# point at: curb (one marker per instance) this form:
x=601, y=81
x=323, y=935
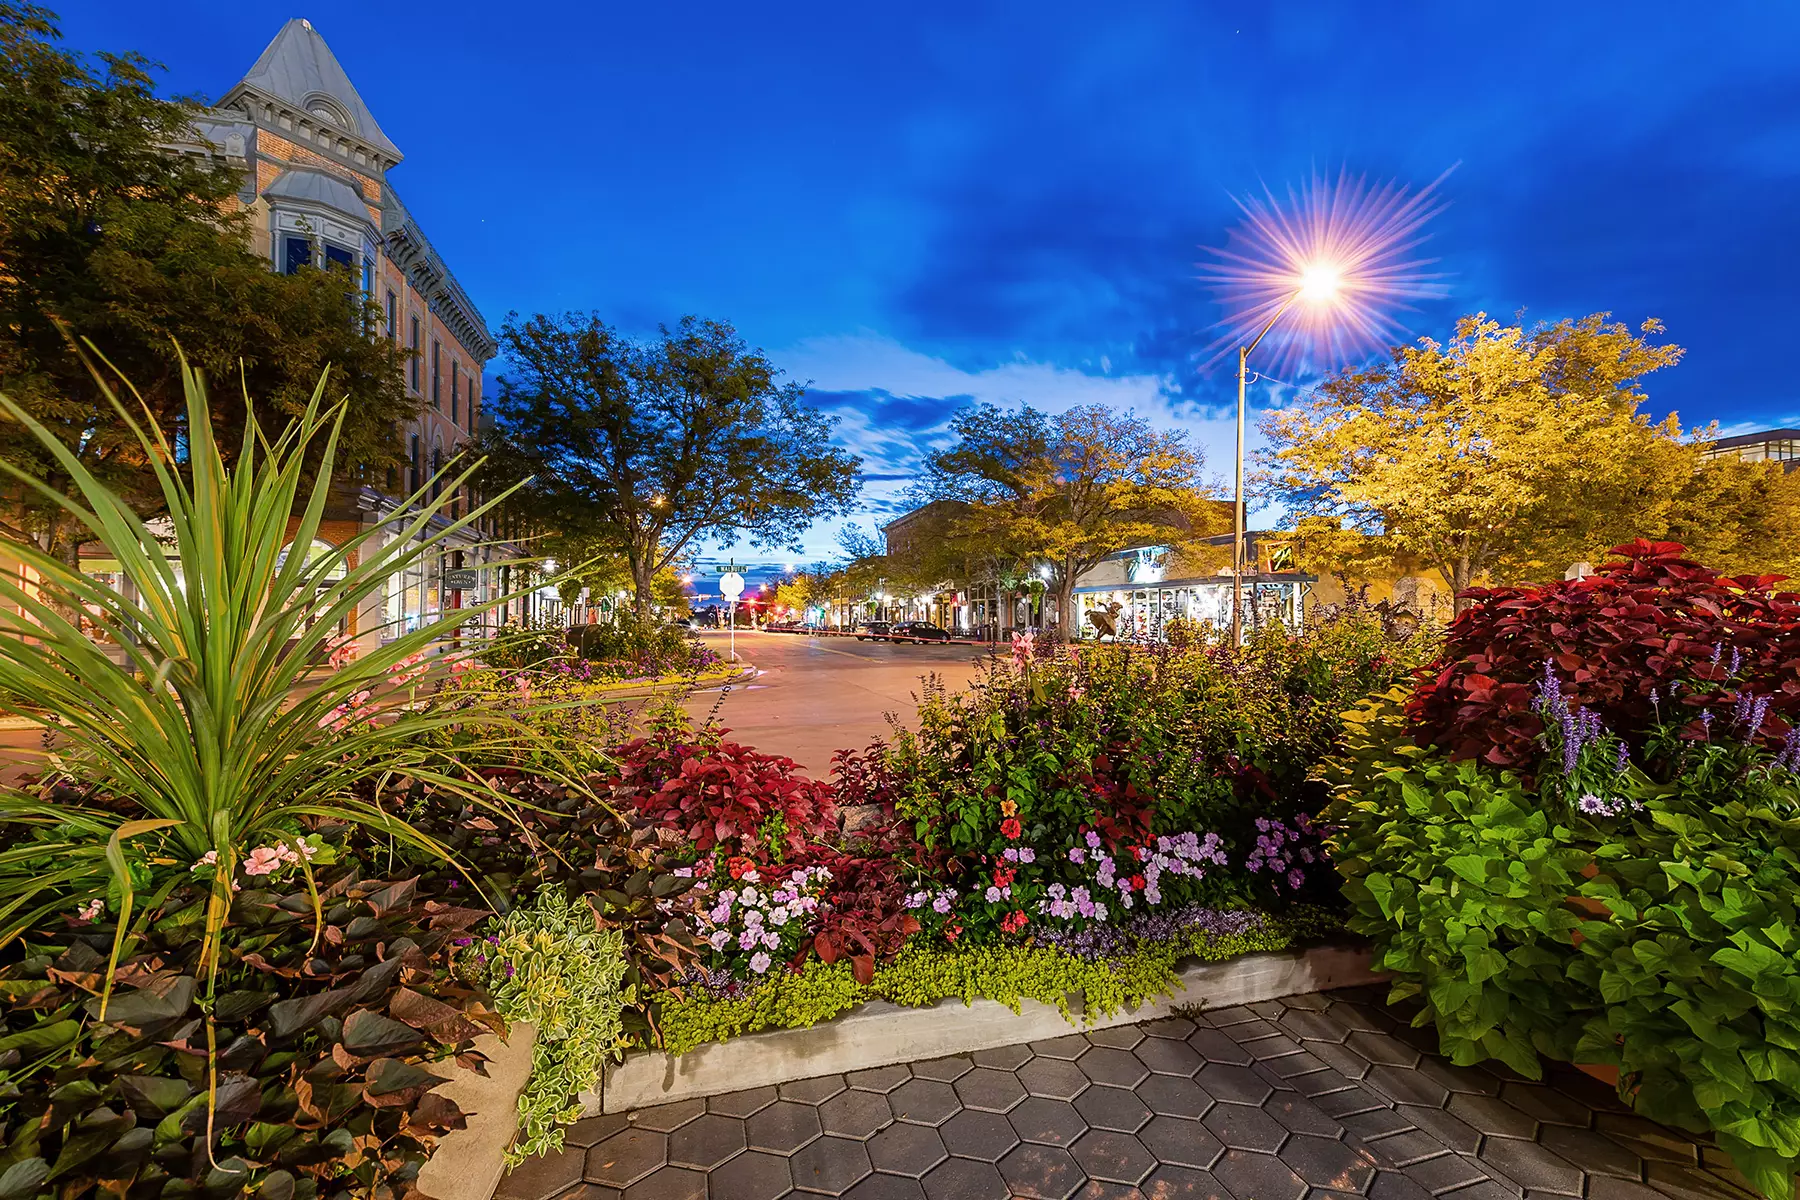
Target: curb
x=880, y=1033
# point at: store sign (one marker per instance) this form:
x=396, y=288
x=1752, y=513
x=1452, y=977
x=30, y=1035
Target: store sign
x=462, y=580
x=1149, y=565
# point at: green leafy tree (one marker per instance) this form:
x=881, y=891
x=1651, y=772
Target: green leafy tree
x=107, y=234
x=647, y=446
x=1069, y=489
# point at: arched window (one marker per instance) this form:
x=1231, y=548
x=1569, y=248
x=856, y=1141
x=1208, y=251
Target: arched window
x=437, y=465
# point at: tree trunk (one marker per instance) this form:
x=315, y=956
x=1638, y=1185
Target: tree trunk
x=641, y=576
x=1065, y=607
x=1459, y=583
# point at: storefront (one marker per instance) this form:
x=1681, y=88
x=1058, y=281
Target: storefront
x=1136, y=595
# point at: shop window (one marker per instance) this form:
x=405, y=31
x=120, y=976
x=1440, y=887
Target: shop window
x=415, y=355
x=299, y=254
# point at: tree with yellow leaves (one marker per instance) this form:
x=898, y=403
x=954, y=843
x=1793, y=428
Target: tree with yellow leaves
x=1510, y=453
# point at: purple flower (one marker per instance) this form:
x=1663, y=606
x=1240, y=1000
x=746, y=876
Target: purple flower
x=1077, y=855
x=759, y=962
x=992, y=895
x=1027, y=855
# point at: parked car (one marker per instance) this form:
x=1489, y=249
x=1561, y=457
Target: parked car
x=683, y=622
x=872, y=629
x=918, y=631
x=782, y=627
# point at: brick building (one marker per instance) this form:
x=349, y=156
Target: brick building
x=315, y=168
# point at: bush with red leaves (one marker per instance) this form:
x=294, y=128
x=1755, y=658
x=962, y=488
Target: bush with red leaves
x=863, y=917
x=1617, y=640
x=722, y=795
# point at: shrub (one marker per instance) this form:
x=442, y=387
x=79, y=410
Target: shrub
x=1647, y=630
x=1628, y=895
x=320, y=1084
x=721, y=795
x=633, y=647
x=549, y=963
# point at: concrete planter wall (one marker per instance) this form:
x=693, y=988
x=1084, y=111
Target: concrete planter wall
x=466, y=1164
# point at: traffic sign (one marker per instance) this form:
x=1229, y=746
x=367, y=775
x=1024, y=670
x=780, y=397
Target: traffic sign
x=731, y=585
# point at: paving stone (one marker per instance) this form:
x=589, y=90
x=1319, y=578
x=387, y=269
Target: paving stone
x=1312, y=1025
x=1177, y=1140
x=667, y=1118
x=1168, y=1056
x=1380, y=1123
x=996, y=1091
x=885, y=1187
x=1041, y=1173
x=543, y=1176
x=963, y=1179
x=1119, y=1037
x=1051, y=1122
x=1070, y=1046
x=1320, y=1083
x=1057, y=1078
x=1453, y=1132
x=924, y=1102
x=855, y=1114
x=1382, y=1048
x=1112, y=1108
x=1300, y=1115
x=1448, y=1172
x=783, y=1127
x=1492, y=1115
x=1341, y=1059
x=742, y=1104
x=1592, y=1152
x=626, y=1157
x=1242, y=1128
x=752, y=1175
x=1003, y=1058
x=1405, y=1148
x=589, y=1130
x=1214, y=1046
x=1394, y=1185
x=879, y=1079
x=1362, y=1017
x=906, y=1150
x=1532, y=1165
x=1267, y=1008
x=1251, y=1031
x=1328, y=1163
x=945, y=1069
x=592, y=1191
x=1547, y=1104
x=1111, y=1065
x=1236, y=1014
x=670, y=1183
x=1289, y=1066
x=813, y=1091
x=1404, y=1085
x=1606, y=1187
x=1315, y=1001
x=1173, y=1095
x=1272, y=1048
x=1349, y=1102
x=829, y=1165
x=1262, y=1176
x=1113, y=1157
x=1169, y=1181
x=1457, y=1079
x=706, y=1141
x=1646, y=1139
x=972, y=1133
x=1481, y=1189
x=1233, y=1085
x=1173, y=1028
x=1100, y=1189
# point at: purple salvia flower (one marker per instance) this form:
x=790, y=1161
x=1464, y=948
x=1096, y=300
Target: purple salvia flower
x=1624, y=757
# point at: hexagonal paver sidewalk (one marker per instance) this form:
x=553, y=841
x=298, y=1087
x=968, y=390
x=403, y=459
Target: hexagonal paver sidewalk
x=1322, y=1097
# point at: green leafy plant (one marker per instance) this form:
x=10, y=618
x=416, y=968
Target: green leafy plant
x=550, y=964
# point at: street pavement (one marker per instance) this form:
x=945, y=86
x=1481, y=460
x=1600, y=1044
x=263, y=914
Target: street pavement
x=813, y=696
x=1331, y=1096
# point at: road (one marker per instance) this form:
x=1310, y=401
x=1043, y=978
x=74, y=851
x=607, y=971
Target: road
x=813, y=696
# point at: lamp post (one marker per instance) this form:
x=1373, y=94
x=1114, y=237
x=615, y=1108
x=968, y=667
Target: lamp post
x=1317, y=285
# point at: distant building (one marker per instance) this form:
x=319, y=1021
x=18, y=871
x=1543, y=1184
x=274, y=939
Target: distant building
x=315, y=168
x=1770, y=445
x=1136, y=594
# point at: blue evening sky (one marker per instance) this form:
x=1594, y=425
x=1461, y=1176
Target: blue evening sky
x=916, y=205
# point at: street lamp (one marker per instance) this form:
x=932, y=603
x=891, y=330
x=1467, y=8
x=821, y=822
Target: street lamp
x=1318, y=284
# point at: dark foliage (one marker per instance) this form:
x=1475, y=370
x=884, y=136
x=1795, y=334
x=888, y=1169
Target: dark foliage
x=1618, y=639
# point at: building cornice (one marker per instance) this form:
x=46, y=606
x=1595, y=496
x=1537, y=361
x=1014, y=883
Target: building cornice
x=289, y=120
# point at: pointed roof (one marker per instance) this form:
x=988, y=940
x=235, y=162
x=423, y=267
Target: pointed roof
x=300, y=69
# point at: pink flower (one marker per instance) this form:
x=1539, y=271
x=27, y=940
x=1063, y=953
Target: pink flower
x=264, y=860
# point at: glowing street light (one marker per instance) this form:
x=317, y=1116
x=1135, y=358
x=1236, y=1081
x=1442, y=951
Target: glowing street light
x=1343, y=251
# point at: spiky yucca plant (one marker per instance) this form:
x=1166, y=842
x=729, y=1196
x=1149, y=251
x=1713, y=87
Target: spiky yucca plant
x=218, y=733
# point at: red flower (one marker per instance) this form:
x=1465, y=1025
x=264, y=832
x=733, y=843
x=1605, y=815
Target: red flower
x=1011, y=828
x=1137, y=883
x=1012, y=922
x=1003, y=877
x=951, y=930
x=740, y=867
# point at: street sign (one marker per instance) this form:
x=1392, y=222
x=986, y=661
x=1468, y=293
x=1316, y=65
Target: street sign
x=731, y=585
x=462, y=580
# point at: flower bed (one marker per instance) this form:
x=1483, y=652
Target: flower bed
x=1580, y=837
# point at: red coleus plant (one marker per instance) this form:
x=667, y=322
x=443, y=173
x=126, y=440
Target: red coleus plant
x=863, y=916
x=1617, y=640
x=722, y=795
